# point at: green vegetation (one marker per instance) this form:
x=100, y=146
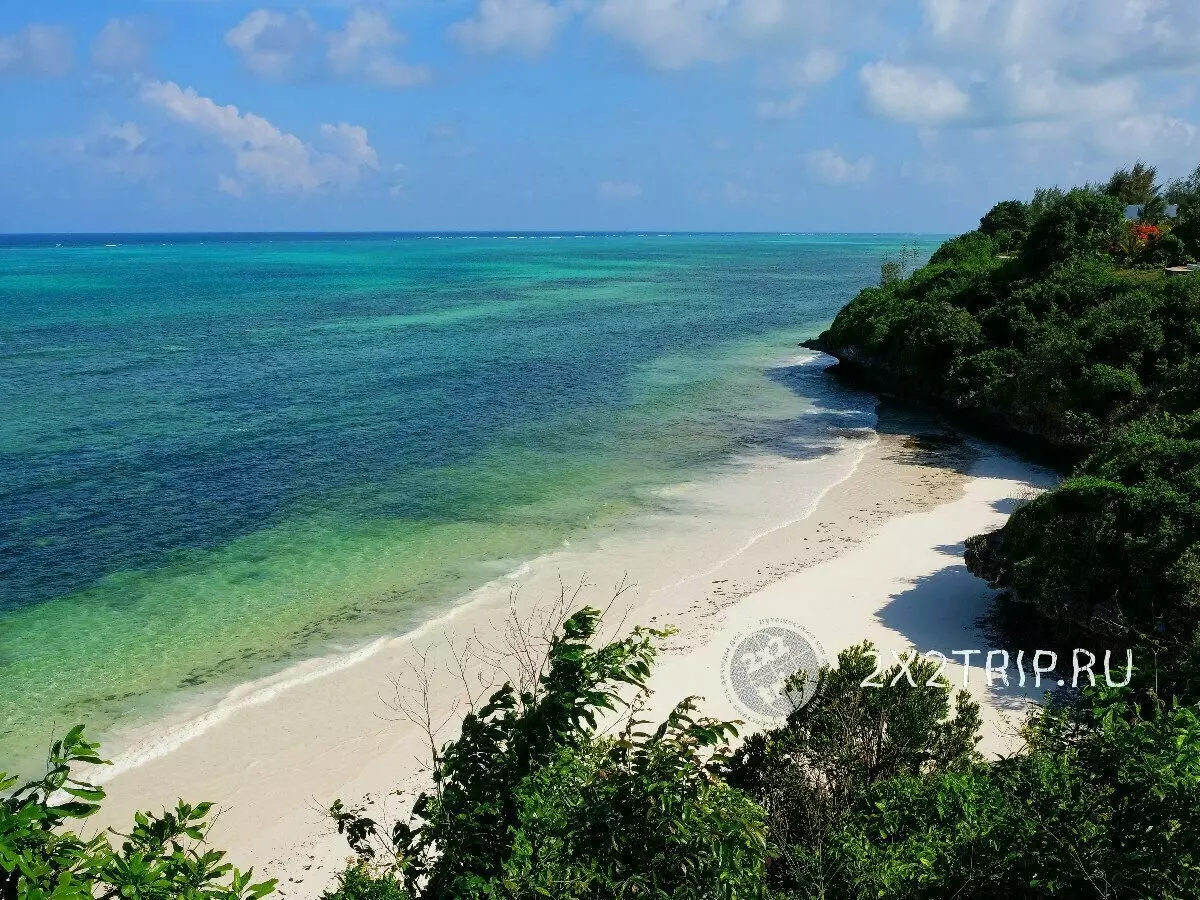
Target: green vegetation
x=1049, y=324
x=1067, y=344
x=161, y=856
x=530, y=802
x=862, y=793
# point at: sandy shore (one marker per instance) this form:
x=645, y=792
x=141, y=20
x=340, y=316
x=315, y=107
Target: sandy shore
x=876, y=554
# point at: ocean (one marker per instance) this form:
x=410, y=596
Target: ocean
x=220, y=454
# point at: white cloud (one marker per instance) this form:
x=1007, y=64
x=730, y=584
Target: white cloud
x=122, y=45
x=353, y=143
x=916, y=96
x=274, y=44
x=673, y=34
x=832, y=168
x=362, y=47
x=1037, y=61
x=1165, y=139
x=40, y=50
x=528, y=27
x=291, y=46
x=1093, y=40
x=116, y=149
x=618, y=190
x=1031, y=92
x=263, y=154
x=795, y=78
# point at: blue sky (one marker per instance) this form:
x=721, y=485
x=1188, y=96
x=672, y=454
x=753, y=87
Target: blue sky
x=774, y=115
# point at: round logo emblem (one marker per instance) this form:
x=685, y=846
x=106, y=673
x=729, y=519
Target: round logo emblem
x=759, y=663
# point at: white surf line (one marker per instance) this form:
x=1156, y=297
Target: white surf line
x=258, y=692
x=810, y=509
x=806, y=359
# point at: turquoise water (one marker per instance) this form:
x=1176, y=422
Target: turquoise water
x=222, y=453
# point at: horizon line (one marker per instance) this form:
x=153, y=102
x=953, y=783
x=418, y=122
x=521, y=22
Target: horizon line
x=482, y=231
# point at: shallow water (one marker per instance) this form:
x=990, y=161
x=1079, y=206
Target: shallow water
x=219, y=454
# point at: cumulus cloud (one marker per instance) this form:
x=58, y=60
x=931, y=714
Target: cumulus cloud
x=666, y=34
x=1035, y=61
x=362, y=49
x=123, y=45
x=275, y=44
x=352, y=143
x=39, y=50
x=672, y=34
x=816, y=67
x=830, y=167
x=1166, y=139
x=618, y=190
x=528, y=27
x=116, y=149
x=916, y=96
x=1094, y=40
x=263, y=154
x=1103, y=81
x=291, y=46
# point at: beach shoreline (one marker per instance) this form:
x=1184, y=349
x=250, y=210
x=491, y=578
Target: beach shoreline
x=750, y=543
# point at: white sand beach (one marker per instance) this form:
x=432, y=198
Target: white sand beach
x=877, y=556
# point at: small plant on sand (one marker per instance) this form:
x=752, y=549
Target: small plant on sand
x=162, y=856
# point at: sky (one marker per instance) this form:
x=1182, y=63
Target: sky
x=682, y=115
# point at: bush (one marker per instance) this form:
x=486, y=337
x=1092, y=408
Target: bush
x=530, y=802
x=1106, y=803
x=360, y=882
x=1080, y=223
x=1114, y=553
x=1007, y=224
x=1168, y=250
x=161, y=857
x=810, y=773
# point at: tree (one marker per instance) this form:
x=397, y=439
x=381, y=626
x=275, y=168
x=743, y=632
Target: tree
x=1185, y=191
x=161, y=857
x=1135, y=185
x=1079, y=222
x=1113, y=556
x=530, y=802
x=1105, y=804
x=1007, y=224
x=1154, y=211
x=810, y=773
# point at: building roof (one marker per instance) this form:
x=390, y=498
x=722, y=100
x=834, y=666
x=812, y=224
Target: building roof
x=1133, y=212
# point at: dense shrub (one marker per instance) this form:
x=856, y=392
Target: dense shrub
x=530, y=802
x=1080, y=223
x=1115, y=552
x=1105, y=804
x=1064, y=345
x=1007, y=224
x=811, y=773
